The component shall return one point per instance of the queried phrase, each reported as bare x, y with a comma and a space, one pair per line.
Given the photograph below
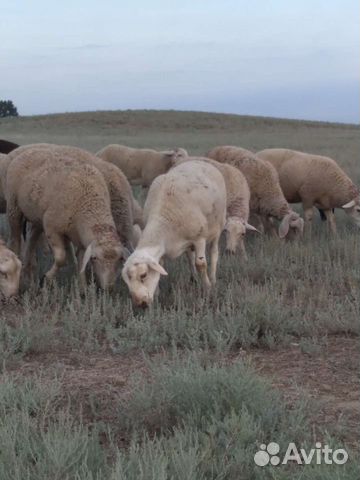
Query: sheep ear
284, 227
158, 268
250, 227
87, 256
349, 204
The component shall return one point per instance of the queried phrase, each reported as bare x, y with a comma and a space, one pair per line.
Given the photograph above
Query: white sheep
314, 180
140, 165
266, 196
69, 203
237, 203
10, 269
184, 211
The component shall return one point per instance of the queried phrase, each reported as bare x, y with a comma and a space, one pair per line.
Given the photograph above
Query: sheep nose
143, 304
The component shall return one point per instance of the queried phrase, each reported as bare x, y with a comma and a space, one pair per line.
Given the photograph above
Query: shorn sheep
314, 180
266, 196
10, 269
237, 203
69, 203
140, 165
185, 210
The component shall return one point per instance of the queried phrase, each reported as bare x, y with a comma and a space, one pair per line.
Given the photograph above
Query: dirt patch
328, 376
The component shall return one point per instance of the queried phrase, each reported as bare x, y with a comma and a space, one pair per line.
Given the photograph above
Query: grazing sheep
266, 196
10, 268
122, 201
185, 209
69, 202
7, 147
314, 180
237, 203
140, 165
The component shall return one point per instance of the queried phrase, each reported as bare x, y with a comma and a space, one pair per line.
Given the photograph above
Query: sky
281, 58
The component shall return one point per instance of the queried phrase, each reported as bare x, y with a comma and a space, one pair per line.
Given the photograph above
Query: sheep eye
93, 257
143, 276
3, 275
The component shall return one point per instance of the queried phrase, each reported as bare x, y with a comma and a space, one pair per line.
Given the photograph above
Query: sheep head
10, 269
235, 230
141, 274
291, 221
352, 208
105, 256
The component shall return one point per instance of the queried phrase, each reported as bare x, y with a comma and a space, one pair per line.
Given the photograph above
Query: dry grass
302, 293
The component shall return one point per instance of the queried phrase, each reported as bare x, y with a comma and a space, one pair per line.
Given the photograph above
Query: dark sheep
7, 147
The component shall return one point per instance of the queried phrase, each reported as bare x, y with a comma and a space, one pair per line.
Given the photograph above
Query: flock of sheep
79, 204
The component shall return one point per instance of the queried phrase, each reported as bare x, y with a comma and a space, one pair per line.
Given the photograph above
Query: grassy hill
196, 131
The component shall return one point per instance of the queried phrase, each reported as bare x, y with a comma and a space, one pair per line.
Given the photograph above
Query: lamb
7, 147
10, 269
122, 201
237, 203
266, 196
140, 165
185, 209
69, 202
314, 180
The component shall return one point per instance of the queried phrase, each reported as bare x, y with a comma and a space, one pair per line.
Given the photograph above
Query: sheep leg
214, 256
308, 216
270, 228
57, 245
70, 252
200, 262
243, 249
330, 217
15, 219
33, 235
190, 254
82, 275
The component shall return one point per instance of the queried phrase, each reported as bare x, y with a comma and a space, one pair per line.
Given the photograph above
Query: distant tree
8, 109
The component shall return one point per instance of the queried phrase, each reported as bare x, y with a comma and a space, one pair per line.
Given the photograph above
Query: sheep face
142, 275
291, 222
10, 268
235, 231
353, 210
105, 260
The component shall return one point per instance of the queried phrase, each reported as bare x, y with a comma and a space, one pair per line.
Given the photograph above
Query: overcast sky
283, 58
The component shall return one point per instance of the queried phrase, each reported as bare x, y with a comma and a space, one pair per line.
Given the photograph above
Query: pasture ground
191, 388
